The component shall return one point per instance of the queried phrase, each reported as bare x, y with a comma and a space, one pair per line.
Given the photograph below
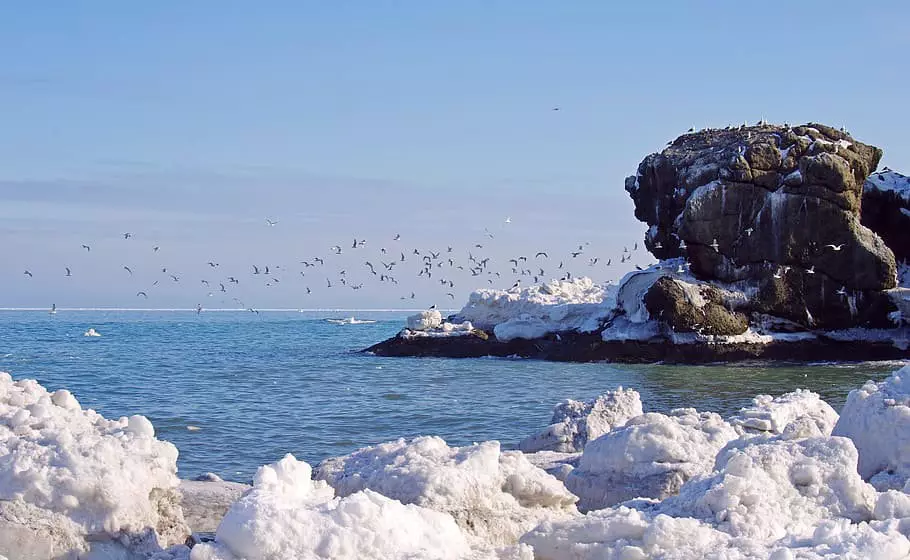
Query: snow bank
495, 496
651, 456
774, 414
425, 320
575, 423
877, 418
107, 477
535, 311
444, 330
288, 515
889, 181
770, 498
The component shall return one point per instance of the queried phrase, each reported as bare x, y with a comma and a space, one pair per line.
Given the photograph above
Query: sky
188, 124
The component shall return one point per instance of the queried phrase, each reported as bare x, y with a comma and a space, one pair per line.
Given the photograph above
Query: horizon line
222, 309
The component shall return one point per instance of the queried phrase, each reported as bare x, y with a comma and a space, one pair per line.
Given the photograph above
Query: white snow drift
575, 423
288, 515
535, 311
106, 478
494, 495
650, 456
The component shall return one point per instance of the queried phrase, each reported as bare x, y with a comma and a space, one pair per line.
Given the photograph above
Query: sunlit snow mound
877, 418
535, 311
425, 320
495, 496
287, 515
575, 423
651, 456
768, 497
85, 476
774, 414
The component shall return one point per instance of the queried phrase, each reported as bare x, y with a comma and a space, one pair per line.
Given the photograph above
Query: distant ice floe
535, 311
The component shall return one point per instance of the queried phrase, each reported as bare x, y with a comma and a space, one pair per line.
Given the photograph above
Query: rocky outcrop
764, 253
886, 210
690, 308
776, 208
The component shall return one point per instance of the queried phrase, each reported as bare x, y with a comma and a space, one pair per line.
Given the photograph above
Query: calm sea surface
262, 386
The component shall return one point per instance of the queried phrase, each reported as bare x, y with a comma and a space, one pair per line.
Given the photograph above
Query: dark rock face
886, 210
573, 347
691, 308
778, 208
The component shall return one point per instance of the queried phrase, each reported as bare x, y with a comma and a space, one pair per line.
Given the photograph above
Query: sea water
234, 390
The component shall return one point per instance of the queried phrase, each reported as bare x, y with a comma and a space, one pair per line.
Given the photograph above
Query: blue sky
188, 124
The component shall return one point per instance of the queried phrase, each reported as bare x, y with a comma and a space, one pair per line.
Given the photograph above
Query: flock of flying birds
431, 273
438, 268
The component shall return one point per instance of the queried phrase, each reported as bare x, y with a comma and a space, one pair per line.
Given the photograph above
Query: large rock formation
775, 209
886, 210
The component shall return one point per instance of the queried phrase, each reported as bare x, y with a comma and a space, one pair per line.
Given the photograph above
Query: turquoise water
260, 386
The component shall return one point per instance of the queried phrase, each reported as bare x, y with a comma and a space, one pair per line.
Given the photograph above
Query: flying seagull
127, 235
271, 223
842, 291
126, 268
68, 273
27, 273
86, 247
143, 294
714, 244
836, 247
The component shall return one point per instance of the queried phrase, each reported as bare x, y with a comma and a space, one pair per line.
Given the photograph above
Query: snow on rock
288, 515
535, 311
889, 181
775, 414
651, 457
425, 320
575, 423
446, 329
109, 478
495, 496
877, 418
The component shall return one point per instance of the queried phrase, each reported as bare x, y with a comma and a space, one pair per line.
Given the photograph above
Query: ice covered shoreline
786, 477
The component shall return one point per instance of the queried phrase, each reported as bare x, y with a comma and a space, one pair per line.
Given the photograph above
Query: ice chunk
877, 418
425, 320
651, 456
493, 495
288, 515
575, 423
108, 477
774, 414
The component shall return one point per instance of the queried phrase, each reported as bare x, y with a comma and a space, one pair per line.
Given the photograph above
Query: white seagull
836, 247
